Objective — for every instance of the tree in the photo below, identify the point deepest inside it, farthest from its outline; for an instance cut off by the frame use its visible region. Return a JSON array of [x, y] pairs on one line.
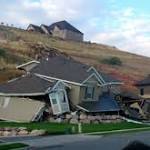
[[112, 61]]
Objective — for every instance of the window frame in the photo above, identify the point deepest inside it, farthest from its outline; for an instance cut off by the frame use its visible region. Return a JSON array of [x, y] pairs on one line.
[[89, 95]]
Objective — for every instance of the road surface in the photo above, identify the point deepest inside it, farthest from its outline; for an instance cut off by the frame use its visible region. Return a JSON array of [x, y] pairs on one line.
[[82, 142]]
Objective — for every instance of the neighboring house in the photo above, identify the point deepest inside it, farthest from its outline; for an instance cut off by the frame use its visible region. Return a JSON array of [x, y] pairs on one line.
[[61, 29], [62, 84], [144, 93], [34, 28], [65, 30], [144, 87], [46, 29]]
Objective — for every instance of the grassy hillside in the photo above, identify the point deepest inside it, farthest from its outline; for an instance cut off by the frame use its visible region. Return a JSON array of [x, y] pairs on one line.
[[25, 45]]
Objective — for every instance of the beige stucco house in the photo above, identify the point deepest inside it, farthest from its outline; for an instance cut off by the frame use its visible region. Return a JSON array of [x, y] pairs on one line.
[[59, 84]]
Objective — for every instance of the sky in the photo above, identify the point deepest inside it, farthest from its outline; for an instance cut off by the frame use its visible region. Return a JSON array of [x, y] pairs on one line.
[[121, 23]]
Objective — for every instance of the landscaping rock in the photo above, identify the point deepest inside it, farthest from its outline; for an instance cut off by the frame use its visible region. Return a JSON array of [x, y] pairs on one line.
[[6, 133], [75, 116], [86, 121], [23, 132], [68, 116], [37, 132], [22, 128], [90, 117], [13, 132], [82, 116], [58, 120], [7, 129], [1, 133], [74, 121]]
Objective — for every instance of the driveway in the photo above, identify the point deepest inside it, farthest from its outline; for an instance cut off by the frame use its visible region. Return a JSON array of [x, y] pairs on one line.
[[82, 142]]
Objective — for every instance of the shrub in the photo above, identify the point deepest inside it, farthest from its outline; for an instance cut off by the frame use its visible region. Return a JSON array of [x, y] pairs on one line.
[[2, 53], [112, 61]]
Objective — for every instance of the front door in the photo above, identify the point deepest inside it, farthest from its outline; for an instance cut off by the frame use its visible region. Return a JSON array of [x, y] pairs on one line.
[[59, 102], [54, 103]]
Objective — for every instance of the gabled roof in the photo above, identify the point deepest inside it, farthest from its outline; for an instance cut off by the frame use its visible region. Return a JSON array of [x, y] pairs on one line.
[[64, 25], [26, 64], [46, 27], [62, 67], [66, 68], [145, 81], [37, 28], [27, 85]]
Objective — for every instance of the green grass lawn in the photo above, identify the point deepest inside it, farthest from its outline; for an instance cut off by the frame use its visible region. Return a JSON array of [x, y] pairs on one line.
[[64, 128], [111, 126], [12, 146]]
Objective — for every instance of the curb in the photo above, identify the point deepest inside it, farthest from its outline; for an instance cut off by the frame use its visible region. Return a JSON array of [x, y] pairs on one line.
[[118, 131]]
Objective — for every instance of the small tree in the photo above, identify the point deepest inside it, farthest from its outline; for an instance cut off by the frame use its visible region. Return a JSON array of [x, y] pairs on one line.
[[2, 53]]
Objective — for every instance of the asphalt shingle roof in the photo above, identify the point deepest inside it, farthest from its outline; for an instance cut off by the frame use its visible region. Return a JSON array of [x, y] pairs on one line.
[[47, 28], [145, 81], [105, 103], [63, 68], [64, 25], [66, 68], [28, 84], [37, 28]]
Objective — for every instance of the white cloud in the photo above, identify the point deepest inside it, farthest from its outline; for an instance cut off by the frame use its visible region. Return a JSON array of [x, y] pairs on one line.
[[131, 33], [101, 21]]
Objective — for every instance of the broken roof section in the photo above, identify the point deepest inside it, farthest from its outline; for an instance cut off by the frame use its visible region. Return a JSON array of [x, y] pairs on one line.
[[67, 69], [106, 103], [20, 109], [144, 82], [27, 85]]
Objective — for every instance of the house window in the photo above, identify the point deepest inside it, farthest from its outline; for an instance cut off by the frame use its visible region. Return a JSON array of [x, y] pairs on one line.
[[64, 99], [142, 91], [89, 92], [54, 101]]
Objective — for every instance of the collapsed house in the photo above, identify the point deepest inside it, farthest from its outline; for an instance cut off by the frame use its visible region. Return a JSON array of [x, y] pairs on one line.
[[57, 84], [61, 29]]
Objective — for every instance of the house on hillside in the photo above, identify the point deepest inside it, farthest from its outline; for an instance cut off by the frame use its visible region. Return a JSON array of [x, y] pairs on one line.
[[34, 28], [66, 31], [57, 84], [61, 29]]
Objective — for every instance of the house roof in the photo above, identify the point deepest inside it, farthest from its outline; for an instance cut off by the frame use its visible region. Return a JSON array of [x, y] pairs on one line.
[[26, 85], [46, 27], [145, 81], [65, 68], [19, 109], [64, 25], [106, 103], [108, 78], [37, 28]]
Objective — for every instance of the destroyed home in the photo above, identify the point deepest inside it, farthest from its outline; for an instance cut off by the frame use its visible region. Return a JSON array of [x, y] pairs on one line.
[[55, 85], [61, 29]]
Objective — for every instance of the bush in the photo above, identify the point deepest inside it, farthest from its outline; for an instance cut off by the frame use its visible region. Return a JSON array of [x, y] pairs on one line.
[[112, 61], [2, 53]]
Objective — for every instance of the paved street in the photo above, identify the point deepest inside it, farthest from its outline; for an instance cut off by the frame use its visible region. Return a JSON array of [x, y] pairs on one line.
[[81, 142]]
